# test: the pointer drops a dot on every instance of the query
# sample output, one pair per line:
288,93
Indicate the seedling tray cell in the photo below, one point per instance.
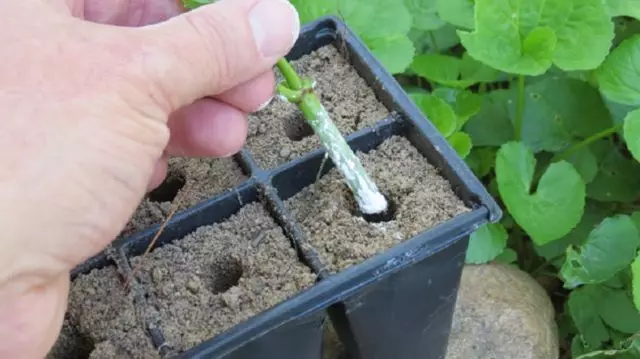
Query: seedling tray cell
392,302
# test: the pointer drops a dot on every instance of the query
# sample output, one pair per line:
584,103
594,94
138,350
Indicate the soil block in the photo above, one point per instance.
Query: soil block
279,132
221,275
189,181
259,271
327,212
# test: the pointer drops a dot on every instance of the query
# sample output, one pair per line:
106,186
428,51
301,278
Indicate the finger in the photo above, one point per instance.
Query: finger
215,47
159,173
251,95
207,128
126,12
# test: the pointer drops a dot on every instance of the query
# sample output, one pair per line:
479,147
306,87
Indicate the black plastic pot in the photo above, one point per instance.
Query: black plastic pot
398,304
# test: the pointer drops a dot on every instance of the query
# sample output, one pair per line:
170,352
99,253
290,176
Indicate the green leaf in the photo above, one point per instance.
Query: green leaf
481,160
394,52
629,8
579,106
451,71
438,112
583,304
557,111
457,12
632,133
609,248
526,37
617,310
311,10
461,142
192,4
374,18
619,75
532,204
618,178
508,256
465,103
635,285
594,213
618,111
384,32
424,13
486,243
548,212
445,38
492,126
585,163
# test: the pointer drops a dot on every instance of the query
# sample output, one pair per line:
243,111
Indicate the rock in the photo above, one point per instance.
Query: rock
285,152
502,313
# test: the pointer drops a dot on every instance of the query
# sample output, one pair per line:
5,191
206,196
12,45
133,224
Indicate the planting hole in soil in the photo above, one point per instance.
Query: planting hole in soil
351,103
296,128
420,196
388,215
220,275
169,188
190,181
229,272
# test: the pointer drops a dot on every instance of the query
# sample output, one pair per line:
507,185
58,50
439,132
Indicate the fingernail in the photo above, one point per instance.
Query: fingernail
275,26
264,105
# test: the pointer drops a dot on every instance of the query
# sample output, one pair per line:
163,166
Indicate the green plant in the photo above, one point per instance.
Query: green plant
300,92
542,99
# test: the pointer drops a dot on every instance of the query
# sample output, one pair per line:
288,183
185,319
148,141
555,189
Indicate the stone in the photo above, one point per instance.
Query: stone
502,313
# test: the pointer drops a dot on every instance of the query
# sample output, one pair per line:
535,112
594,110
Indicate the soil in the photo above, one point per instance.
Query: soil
190,180
278,133
221,275
101,321
328,214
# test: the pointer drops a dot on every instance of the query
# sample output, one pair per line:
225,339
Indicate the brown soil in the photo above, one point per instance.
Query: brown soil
192,180
276,134
326,210
102,321
221,275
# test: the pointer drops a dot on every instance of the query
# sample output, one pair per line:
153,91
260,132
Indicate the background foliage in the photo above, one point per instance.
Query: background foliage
542,99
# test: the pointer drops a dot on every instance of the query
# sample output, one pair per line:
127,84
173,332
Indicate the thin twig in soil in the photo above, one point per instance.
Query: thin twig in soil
174,209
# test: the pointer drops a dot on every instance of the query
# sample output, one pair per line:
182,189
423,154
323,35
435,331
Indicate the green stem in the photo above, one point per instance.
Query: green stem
519,109
587,141
300,92
434,42
290,75
482,88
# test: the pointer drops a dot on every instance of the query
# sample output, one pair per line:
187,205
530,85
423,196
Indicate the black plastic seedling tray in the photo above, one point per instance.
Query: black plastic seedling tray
398,304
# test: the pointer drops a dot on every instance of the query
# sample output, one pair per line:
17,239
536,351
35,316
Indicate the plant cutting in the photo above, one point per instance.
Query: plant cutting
300,92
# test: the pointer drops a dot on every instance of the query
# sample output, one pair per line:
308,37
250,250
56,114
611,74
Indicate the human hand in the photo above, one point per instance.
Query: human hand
90,112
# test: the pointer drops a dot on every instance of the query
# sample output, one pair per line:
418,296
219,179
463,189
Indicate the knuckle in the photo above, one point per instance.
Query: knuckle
213,34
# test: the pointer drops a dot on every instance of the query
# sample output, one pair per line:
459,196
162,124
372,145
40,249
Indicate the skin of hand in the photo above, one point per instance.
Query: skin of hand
95,95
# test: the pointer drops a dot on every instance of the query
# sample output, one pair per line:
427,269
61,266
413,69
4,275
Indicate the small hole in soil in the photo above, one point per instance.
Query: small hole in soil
296,128
71,345
226,273
386,216
168,190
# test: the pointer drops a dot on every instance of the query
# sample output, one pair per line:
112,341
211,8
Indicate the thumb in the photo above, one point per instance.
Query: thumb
215,47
